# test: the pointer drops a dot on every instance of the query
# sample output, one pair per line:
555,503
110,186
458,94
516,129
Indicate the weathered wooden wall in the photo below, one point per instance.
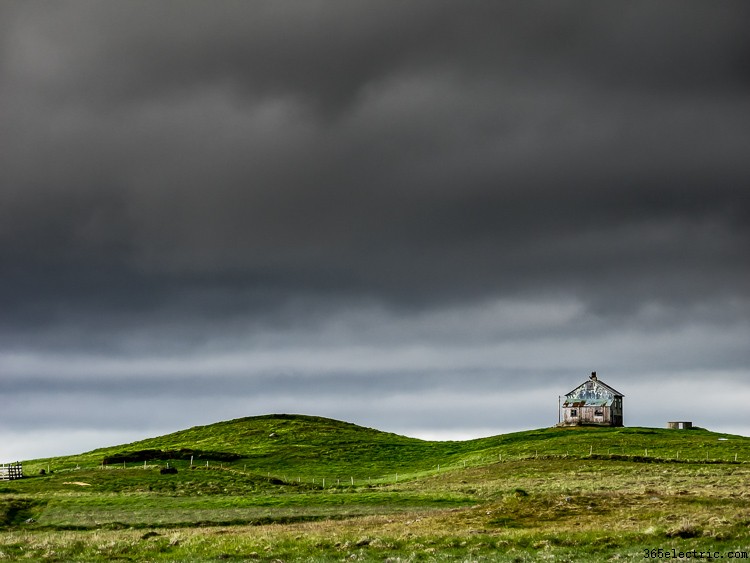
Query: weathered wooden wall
610,416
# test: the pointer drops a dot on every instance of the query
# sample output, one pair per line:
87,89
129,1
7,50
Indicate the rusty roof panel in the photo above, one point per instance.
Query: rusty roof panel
589,403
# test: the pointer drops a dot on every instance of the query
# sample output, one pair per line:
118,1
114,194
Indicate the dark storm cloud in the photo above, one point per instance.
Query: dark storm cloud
304,200
135,50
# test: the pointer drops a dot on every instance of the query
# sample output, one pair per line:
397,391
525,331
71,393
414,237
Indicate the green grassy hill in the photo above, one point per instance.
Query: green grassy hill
331,490
307,445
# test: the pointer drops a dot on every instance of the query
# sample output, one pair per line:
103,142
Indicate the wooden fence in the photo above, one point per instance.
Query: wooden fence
11,471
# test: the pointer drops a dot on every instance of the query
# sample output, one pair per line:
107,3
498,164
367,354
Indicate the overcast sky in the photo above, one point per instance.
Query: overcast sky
432,218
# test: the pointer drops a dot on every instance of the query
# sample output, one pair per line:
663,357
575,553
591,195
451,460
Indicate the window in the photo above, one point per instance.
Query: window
598,412
573,413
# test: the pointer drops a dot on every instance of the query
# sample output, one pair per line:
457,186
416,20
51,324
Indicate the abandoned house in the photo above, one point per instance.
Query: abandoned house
592,403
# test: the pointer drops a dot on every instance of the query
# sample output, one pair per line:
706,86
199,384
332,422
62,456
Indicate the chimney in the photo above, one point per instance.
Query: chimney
593,376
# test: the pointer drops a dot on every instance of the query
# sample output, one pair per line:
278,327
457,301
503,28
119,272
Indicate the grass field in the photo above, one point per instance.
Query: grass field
299,488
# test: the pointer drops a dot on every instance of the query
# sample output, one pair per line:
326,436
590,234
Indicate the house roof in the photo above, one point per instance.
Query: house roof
589,403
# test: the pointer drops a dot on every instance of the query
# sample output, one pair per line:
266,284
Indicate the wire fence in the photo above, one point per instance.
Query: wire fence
404,474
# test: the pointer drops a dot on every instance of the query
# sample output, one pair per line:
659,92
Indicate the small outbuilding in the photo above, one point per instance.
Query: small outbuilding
680,425
592,403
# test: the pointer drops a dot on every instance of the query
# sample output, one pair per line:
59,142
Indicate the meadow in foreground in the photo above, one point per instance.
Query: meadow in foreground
294,488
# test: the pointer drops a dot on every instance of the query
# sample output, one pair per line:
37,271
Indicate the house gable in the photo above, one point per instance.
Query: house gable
592,392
